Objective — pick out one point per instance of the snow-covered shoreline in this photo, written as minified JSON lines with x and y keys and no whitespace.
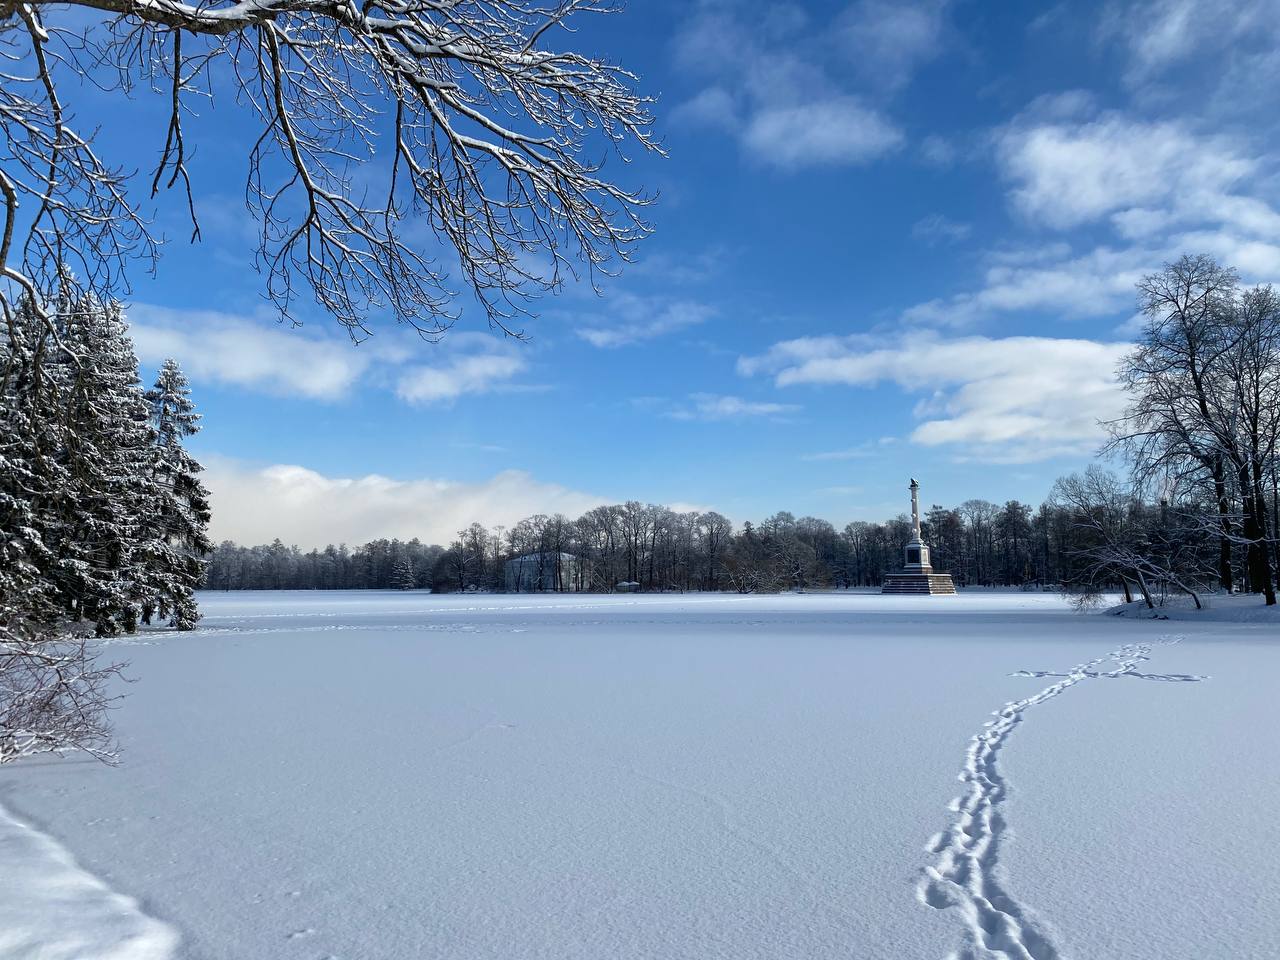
{"x":52,"y":909}
{"x":1214,"y":608}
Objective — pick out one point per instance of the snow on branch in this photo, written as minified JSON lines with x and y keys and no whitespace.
{"x":382,"y":127}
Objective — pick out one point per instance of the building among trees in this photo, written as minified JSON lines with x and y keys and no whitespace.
{"x":544,"y":572}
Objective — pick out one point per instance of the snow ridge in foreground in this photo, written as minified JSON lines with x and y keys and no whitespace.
{"x":998,"y":926}
{"x":51,"y":909}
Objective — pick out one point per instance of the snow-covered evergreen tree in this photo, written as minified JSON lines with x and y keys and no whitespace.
{"x":111,"y":486}
{"x":80,"y":479}
{"x":402,"y":577}
{"x":102,"y":514}
{"x":175,"y":541}
{"x":32,"y":471}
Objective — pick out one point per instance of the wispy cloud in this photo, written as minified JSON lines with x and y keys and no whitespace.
{"x":1158,"y":187}
{"x":862,"y":451}
{"x":472,"y":363}
{"x":799,"y":94}
{"x":711,"y":406}
{"x":887,"y":41}
{"x":935,"y":229}
{"x":840,"y":490}
{"x":634,"y":318}
{"x":1162,"y":36}
{"x":1011,"y":399}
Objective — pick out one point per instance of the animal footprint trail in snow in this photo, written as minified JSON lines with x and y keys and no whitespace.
{"x":965,"y":875}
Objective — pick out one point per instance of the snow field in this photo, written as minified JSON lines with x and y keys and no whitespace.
{"x":392,"y":775}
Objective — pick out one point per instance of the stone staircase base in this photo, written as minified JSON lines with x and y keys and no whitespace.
{"x":918,"y":583}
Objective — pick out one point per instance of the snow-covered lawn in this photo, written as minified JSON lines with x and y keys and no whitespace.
{"x":404,"y":776}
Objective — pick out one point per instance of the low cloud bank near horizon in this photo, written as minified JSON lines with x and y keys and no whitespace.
{"x":253,"y":505}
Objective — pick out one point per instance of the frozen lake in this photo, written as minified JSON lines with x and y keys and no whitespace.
{"x":370,"y":775}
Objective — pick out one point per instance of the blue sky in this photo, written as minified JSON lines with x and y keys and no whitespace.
{"x":892,"y":239}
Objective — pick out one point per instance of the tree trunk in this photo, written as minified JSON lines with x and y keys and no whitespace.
{"x":1225,"y":579}
{"x":1146,"y":594}
{"x":1264,"y":548}
{"x":1256,"y":558}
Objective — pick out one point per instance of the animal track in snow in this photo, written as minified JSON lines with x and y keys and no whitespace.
{"x":965,"y":874}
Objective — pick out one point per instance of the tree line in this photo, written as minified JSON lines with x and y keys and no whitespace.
{"x":980,"y":543}
{"x":102,"y":513}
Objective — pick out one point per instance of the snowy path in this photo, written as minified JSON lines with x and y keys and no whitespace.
{"x":966,"y":875}
{"x":51,"y":909}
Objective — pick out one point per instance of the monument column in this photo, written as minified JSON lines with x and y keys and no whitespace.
{"x":917,"y":574}
{"x":917,"y":554}
{"x":915,"y":509}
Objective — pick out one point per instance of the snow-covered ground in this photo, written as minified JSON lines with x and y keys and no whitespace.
{"x":397,"y":776}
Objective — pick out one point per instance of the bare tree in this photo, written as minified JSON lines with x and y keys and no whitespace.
{"x":1115,"y":545}
{"x":712,"y":532}
{"x":54,"y":693}
{"x":1166,"y":430}
{"x":1253,"y":387}
{"x":482,"y":128}
{"x":1204,"y":380}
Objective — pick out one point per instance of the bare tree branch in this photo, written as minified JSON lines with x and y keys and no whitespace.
{"x":54,"y":692}
{"x":398,"y":140}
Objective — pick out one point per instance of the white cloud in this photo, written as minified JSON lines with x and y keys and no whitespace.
{"x":1068,"y":174}
{"x":634,"y":318}
{"x":258,"y":354}
{"x":710,"y":406}
{"x":303,"y":507}
{"x":840,"y":130}
{"x":1098,"y":283}
{"x":1160,"y":36}
{"x":1093,"y":284}
{"x":471,"y":363}
{"x":887,"y":40}
{"x":1163,"y":189}
{"x":244,"y":352}
{"x":783,"y":84}
{"x":1013,"y":399}
{"x":713,"y":107}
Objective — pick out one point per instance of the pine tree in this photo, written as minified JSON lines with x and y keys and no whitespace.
{"x":175,"y":541}
{"x":31,"y":470}
{"x":402,"y":577}
{"x":110,"y":483}
{"x":88,"y":495}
